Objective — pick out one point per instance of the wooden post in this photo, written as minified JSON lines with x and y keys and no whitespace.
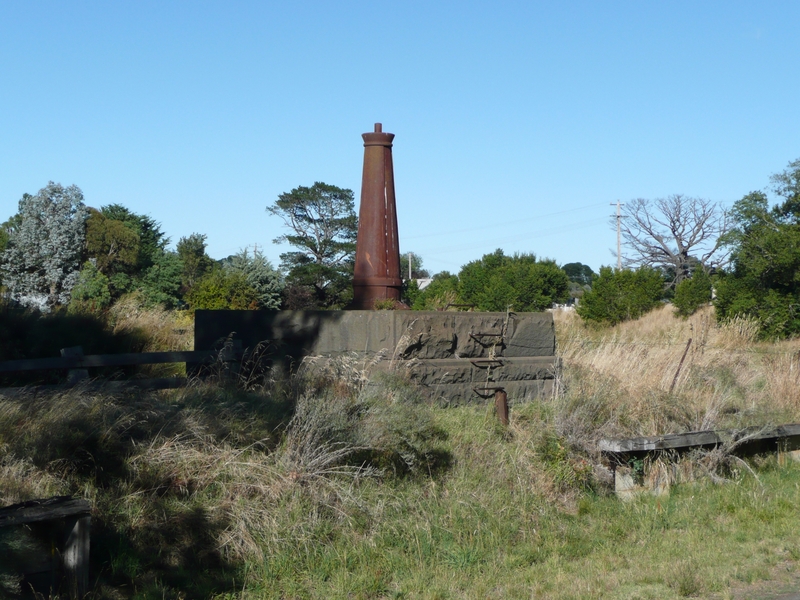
{"x":75,"y":375}
{"x":70,"y":545}
{"x":76,"y":555}
{"x":680,"y":364}
{"x":230,"y":356}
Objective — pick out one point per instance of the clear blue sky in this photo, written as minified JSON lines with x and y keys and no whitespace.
{"x":517,"y":123}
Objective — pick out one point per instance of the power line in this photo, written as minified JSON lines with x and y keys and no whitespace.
{"x":503,"y":224}
{"x":485,"y":243}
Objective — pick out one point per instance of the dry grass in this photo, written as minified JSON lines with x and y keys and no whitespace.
{"x":726,"y":379}
{"x":165,"y":329}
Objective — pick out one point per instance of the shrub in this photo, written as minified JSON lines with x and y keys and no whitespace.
{"x":691,"y":294}
{"x":91,"y":292}
{"x":618,"y":296}
{"x":522,"y":282}
{"x":443,"y":290}
{"x":223,"y":289}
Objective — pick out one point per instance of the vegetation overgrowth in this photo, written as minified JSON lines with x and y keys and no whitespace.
{"x":334,"y":485}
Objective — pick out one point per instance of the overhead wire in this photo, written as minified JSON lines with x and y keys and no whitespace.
{"x":484,"y":226}
{"x":488,"y":243}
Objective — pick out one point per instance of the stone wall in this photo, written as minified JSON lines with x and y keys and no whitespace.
{"x":454,"y":357}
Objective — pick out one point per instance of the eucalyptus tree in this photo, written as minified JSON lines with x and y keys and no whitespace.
{"x":42,"y":258}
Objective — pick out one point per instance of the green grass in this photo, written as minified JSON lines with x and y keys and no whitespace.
{"x":444,"y":547}
{"x":324,"y":488}
{"x":481,"y":533}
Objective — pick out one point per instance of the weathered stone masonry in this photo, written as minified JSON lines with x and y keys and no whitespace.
{"x":449,"y":355}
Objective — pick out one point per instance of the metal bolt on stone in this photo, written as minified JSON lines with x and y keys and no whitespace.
{"x":377,"y":267}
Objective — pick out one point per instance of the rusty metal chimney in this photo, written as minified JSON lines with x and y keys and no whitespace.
{"x":377,"y":268}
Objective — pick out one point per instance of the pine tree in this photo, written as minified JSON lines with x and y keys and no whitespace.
{"x":259,"y":274}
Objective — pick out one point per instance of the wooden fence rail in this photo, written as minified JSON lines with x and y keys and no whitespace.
{"x":621,"y":453}
{"x":74,"y":361}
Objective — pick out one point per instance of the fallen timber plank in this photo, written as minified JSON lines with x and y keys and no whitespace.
{"x":750,"y":438}
{"x":34,"y":511}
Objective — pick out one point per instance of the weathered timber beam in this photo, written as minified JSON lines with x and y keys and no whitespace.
{"x":34,"y":511}
{"x":76,"y":555}
{"x":701,"y":439}
{"x":661,"y":442}
{"x":74,"y":548}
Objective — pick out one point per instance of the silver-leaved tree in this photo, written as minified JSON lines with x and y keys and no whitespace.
{"x":42,"y":260}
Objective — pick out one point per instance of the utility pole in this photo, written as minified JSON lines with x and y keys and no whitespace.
{"x":409,"y":265}
{"x":619,"y":237}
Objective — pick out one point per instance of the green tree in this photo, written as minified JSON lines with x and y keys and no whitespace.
{"x":692,"y":293}
{"x":195,"y":261}
{"x":521,"y":282}
{"x":42,"y":260}
{"x":161,"y":283}
{"x":91,"y":292}
{"x":579,"y":273}
{"x":6,"y":229}
{"x":260,"y":275}
{"x":440,"y":292}
{"x":9,"y":227}
{"x":152,"y":241}
{"x":222,"y":288}
{"x":764,"y":281}
{"x":323,"y":228}
{"x":580,"y":278}
{"x":618,"y":296}
{"x":125,"y":245}
{"x":113,"y":244}
{"x":414,"y":261}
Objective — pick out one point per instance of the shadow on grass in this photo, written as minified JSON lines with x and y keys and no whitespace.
{"x":152,"y":534}
{"x":30,"y":334}
{"x":90,"y":441}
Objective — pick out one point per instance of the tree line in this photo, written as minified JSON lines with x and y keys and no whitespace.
{"x":57,"y":252}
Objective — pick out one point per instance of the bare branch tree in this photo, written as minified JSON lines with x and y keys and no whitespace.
{"x":676,"y":234}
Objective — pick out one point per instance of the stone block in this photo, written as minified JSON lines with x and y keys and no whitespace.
{"x":446,"y":354}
